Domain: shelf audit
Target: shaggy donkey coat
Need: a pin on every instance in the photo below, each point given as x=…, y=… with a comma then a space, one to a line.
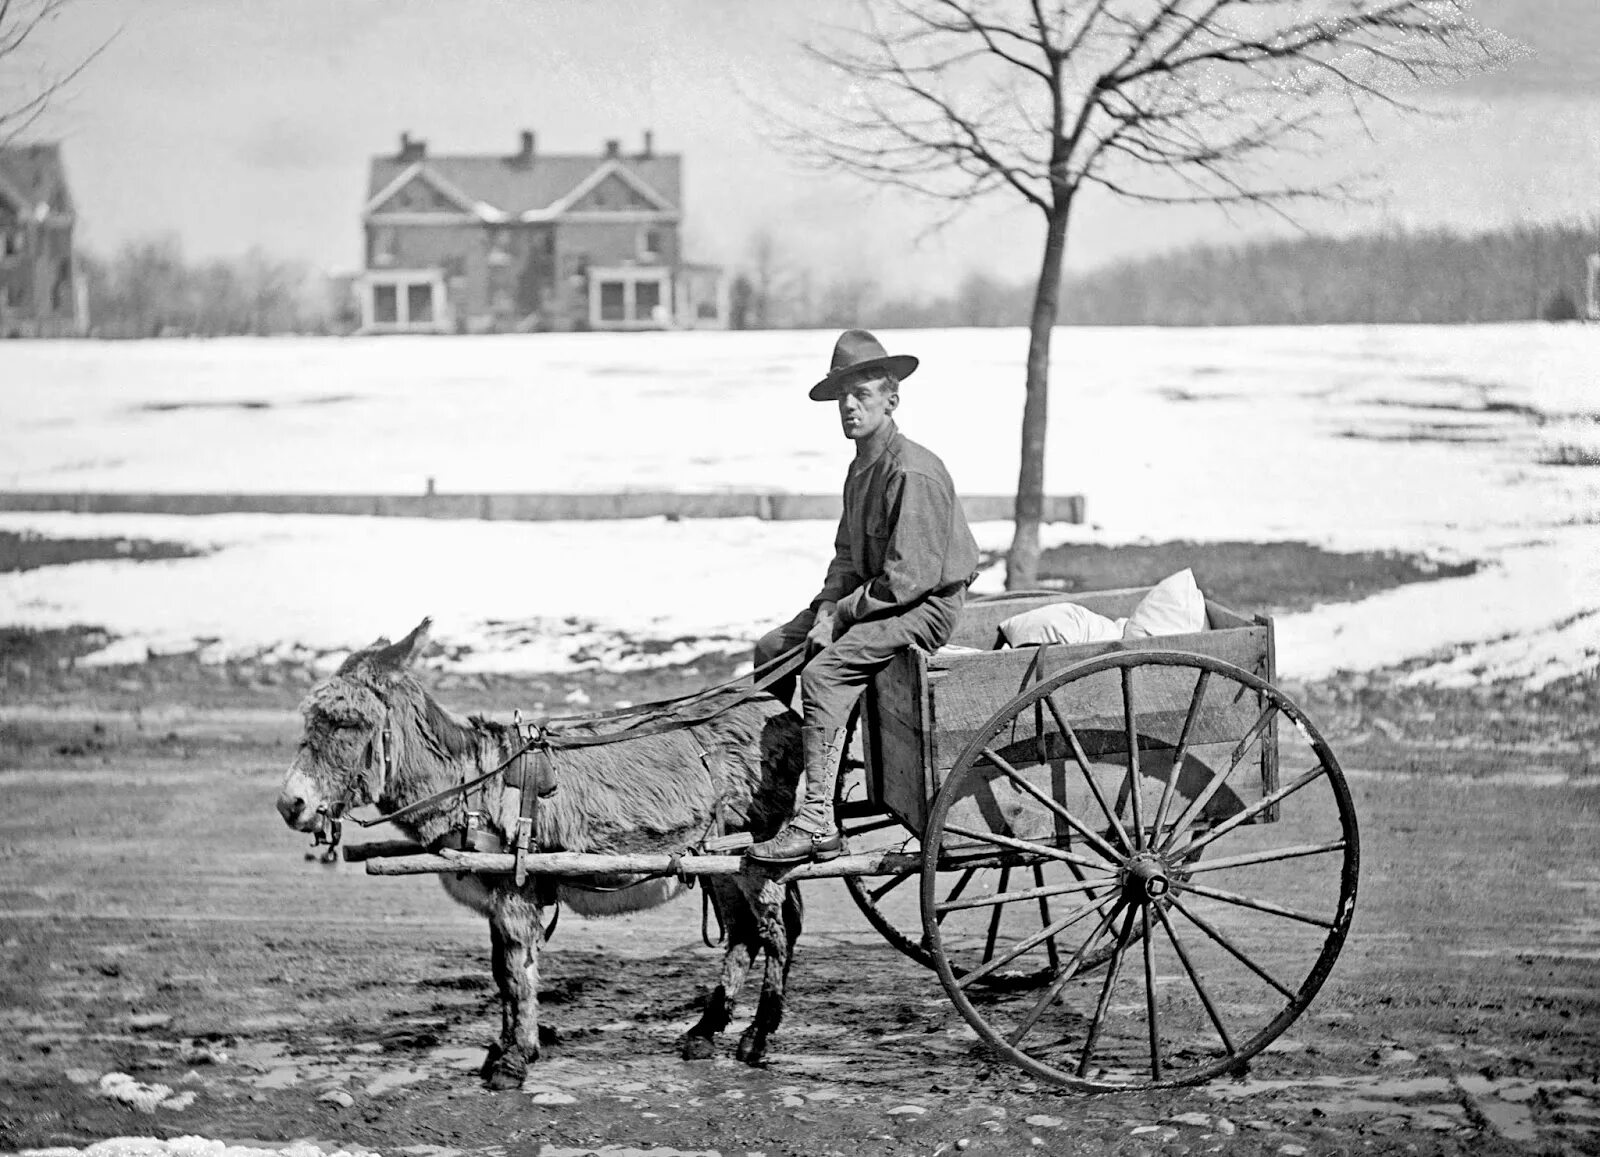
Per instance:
x=374, y=736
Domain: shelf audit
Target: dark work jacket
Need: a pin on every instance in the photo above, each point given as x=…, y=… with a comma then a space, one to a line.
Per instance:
x=902, y=536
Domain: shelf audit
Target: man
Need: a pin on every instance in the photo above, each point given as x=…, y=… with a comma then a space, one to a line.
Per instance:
x=903, y=557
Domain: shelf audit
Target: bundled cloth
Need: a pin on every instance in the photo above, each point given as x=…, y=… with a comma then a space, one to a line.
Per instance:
x=1174, y=606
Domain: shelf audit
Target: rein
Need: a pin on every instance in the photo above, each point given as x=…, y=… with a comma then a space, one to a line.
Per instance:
x=654, y=719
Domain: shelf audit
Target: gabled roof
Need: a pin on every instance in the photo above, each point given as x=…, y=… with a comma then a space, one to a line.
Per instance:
x=33, y=175
x=505, y=188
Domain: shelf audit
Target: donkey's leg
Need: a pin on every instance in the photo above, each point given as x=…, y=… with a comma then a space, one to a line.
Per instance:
x=500, y=965
x=699, y=1043
x=515, y=921
x=782, y=912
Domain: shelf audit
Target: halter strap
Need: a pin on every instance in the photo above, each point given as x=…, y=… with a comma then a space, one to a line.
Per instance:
x=543, y=741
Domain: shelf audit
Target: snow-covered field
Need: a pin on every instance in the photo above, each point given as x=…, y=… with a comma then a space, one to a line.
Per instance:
x=1443, y=440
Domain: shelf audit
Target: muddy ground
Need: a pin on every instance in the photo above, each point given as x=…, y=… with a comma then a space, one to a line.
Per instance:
x=157, y=920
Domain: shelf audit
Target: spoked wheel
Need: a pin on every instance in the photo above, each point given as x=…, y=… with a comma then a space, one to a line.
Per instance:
x=1216, y=891
x=891, y=903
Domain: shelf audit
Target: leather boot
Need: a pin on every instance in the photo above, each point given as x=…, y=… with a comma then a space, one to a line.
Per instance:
x=811, y=834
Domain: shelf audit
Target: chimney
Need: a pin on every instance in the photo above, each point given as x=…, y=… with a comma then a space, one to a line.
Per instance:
x=649, y=145
x=525, y=152
x=613, y=149
x=411, y=150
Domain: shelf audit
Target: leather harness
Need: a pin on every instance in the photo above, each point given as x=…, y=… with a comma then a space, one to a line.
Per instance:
x=529, y=770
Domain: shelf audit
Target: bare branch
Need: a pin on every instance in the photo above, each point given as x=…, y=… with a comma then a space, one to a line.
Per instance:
x=20, y=22
x=1155, y=101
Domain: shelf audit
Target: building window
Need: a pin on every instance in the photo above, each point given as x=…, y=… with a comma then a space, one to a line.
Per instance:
x=385, y=305
x=499, y=248
x=613, y=306
x=649, y=243
x=61, y=291
x=384, y=246
x=419, y=303
x=646, y=297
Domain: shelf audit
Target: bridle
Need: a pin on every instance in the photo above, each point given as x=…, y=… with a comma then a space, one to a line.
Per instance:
x=330, y=817
x=542, y=740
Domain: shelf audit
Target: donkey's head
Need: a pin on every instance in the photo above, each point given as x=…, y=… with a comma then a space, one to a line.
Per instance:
x=345, y=754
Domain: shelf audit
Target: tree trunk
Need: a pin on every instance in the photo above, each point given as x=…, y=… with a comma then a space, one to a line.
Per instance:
x=1022, y=561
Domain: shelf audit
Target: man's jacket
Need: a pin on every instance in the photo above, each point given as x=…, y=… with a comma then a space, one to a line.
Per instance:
x=902, y=536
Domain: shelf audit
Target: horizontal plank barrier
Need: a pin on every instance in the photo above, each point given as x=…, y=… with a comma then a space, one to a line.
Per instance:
x=505, y=506
x=597, y=864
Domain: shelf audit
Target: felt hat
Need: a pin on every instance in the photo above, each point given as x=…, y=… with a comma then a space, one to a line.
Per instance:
x=855, y=352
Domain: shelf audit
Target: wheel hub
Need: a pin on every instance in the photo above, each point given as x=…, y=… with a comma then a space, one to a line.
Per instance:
x=1144, y=877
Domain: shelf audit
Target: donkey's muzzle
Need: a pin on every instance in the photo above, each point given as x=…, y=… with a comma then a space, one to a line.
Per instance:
x=292, y=808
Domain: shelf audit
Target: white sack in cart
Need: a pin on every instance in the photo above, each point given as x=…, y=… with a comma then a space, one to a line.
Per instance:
x=1174, y=606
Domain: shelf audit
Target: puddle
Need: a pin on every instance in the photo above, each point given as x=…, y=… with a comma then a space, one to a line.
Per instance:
x=1433, y=1103
x=395, y=1079
x=1367, y=1086
x=263, y=1056
x=623, y=1151
x=455, y=1058
x=286, y=1077
x=190, y=1146
x=1505, y=1106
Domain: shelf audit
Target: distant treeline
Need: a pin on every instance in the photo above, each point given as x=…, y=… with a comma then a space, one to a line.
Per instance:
x=1532, y=271
x=148, y=289
x=1397, y=276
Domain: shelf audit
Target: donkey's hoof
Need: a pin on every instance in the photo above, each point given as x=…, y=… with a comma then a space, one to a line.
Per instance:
x=510, y=1069
x=697, y=1048
x=752, y=1047
x=491, y=1060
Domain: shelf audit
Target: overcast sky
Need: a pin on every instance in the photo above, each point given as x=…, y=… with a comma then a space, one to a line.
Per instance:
x=235, y=123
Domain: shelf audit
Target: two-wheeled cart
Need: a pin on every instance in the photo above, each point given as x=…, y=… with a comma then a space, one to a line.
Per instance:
x=1131, y=864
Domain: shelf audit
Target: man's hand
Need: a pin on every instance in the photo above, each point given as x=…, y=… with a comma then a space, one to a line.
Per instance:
x=824, y=630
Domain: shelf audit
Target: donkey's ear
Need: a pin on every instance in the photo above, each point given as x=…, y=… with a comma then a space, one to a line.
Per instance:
x=362, y=655
x=398, y=656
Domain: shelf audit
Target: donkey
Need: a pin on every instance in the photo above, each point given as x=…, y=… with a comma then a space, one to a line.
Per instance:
x=373, y=735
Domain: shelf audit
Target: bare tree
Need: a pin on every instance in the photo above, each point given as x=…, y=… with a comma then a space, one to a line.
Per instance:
x=27, y=84
x=764, y=277
x=1166, y=101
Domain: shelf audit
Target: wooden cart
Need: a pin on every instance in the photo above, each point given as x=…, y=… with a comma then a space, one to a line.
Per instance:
x=1100, y=890
x=1136, y=861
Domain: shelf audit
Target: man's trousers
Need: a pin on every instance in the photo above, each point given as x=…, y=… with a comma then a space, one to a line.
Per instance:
x=835, y=676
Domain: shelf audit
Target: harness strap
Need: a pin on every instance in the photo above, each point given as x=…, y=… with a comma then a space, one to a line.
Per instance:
x=543, y=739
x=772, y=672
x=528, y=813
x=655, y=723
x=762, y=677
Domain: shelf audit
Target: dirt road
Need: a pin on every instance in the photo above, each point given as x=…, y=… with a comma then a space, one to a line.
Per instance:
x=157, y=920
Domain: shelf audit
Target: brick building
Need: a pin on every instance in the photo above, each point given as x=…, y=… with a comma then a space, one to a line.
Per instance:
x=40, y=292
x=530, y=241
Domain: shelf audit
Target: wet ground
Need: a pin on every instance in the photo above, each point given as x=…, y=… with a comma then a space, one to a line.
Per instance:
x=175, y=963
x=157, y=921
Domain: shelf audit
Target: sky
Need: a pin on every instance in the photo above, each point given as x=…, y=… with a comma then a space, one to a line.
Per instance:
x=236, y=124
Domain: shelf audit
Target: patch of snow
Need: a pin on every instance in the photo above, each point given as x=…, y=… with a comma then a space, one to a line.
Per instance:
x=1416, y=439
x=190, y=1146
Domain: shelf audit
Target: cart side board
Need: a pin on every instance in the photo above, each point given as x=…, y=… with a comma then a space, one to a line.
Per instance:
x=923, y=710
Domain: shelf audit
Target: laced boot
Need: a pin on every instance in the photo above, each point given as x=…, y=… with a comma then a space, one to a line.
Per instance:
x=811, y=834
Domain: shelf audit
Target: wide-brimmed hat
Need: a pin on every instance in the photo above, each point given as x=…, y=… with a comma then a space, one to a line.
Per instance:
x=855, y=352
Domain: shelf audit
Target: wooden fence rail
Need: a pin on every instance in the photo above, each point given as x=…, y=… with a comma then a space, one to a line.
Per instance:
x=506, y=506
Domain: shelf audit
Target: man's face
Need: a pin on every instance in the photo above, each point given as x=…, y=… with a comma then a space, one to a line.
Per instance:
x=865, y=406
